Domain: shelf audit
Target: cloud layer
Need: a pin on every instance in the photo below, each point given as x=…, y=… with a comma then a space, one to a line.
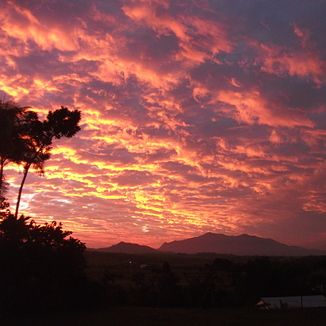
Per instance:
x=196, y=116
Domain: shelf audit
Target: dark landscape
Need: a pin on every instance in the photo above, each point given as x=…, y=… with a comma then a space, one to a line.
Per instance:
x=191, y=289
x=135, y=316
x=50, y=278
x=221, y=244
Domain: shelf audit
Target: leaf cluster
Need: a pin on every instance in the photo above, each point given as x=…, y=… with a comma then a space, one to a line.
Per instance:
x=27, y=140
x=42, y=266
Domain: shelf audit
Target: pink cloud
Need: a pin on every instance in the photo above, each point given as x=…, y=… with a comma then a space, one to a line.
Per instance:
x=195, y=118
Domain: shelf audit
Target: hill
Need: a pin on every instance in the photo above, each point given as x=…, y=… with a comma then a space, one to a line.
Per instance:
x=129, y=248
x=236, y=245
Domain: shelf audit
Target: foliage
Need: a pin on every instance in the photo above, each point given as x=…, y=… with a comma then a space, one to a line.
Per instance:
x=38, y=137
x=157, y=287
x=28, y=141
x=196, y=281
x=42, y=266
x=11, y=135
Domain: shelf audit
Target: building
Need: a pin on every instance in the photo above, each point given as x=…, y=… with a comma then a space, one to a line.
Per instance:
x=308, y=301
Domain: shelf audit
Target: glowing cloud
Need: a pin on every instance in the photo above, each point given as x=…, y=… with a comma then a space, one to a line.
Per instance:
x=196, y=116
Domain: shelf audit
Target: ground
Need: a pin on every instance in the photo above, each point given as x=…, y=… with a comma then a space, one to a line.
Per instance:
x=126, y=316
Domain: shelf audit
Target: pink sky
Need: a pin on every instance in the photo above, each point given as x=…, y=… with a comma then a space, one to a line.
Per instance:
x=197, y=116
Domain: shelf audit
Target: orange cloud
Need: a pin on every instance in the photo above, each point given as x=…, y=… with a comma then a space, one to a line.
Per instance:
x=304, y=63
x=22, y=24
x=252, y=108
x=194, y=118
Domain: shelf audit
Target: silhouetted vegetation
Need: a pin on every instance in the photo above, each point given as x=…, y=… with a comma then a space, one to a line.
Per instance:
x=42, y=267
x=11, y=144
x=202, y=281
x=27, y=141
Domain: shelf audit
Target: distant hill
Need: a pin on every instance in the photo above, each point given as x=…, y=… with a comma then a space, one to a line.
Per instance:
x=241, y=245
x=129, y=248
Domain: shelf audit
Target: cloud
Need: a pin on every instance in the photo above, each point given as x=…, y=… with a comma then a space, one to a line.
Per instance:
x=196, y=116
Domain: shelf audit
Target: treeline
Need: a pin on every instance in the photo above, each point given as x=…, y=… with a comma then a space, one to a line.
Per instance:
x=223, y=283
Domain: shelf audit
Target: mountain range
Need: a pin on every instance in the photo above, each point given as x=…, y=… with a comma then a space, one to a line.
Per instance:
x=242, y=245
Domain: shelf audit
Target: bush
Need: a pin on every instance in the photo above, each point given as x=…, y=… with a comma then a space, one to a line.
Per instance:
x=42, y=268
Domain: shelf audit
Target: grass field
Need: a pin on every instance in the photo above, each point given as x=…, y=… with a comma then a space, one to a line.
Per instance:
x=132, y=316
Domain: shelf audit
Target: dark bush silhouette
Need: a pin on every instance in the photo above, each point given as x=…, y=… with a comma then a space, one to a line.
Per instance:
x=41, y=267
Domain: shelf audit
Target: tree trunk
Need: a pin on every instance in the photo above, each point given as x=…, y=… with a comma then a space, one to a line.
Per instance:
x=26, y=168
x=21, y=189
x=2, y=184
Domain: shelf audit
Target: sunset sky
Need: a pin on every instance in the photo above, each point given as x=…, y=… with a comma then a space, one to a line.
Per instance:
x=197, y=116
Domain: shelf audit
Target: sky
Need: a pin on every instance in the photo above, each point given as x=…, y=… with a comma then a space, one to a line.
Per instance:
x=197, y=116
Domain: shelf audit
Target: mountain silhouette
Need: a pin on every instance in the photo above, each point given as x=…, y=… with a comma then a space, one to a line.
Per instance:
x=129, y=248
x=241, y=245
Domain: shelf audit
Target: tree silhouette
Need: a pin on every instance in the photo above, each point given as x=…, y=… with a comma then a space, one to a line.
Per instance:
x=12, y=119
x=42, y=266
x=28, y=141
x=38, y=138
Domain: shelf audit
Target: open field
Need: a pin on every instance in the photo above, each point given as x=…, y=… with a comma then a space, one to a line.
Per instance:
x=132, y=316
